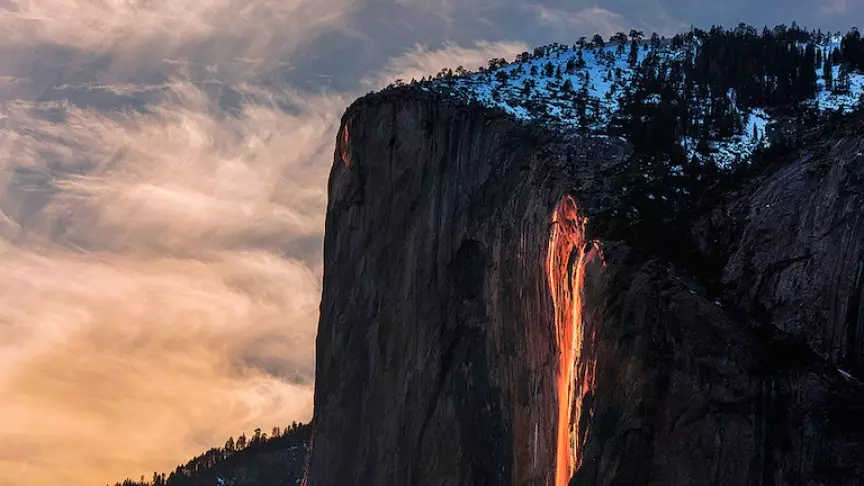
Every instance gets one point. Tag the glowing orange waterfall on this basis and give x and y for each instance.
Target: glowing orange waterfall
(566, 261)
(344, 146)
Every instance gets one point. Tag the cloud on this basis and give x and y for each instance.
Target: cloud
(585, 22)
(92, 43)
(161, 221)
(162, 278)
(253, 27)
(422, 61)
(116, 365)
(651, 16)
(836, 7)
(179, 178)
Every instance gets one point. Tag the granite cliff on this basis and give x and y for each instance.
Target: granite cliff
(477, 328)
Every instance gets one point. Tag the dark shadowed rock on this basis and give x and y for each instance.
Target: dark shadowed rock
(799, 257)
(688, 395)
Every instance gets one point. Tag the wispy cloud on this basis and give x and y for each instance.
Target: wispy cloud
(585, 22)
(161, 279)
(253, 27)
(836, 7)
(179, 177)
(161, 220)
(422, 61)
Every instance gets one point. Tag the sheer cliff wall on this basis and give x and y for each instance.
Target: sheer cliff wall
(462, 342)
(436, 349)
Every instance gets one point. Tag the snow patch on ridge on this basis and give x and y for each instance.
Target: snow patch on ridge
(525, 90)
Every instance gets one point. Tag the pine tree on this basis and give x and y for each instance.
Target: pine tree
(620, 40)
(828, 75)
(634, 53)
(526, 89)
(229, 446)
(843, 82)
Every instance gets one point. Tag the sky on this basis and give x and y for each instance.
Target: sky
(163, 166)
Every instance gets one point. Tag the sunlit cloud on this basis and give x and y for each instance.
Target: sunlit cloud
(585, 22)
(115, 365)
(161, 279)
(421, 61)
(253, 28)
(160, 251)
(177, 178)
(650, 16)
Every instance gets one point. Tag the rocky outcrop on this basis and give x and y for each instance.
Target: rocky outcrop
(449, 302)
(798, 253)
(686, 394)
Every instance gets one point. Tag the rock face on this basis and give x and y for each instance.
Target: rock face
(686, 394)
(799, 260)
(471, 334)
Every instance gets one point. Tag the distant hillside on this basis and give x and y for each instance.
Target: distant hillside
(706, 95)
(262, 460)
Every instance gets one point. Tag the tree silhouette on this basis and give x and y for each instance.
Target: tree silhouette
(204, 469)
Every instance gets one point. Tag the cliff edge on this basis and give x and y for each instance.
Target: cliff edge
(476, 329)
